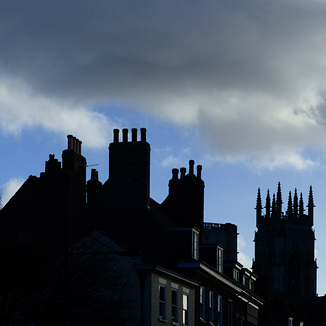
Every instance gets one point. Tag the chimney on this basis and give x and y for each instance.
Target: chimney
(129, 169)
(73, 161)
(93, 185)
(186, 197)
(52, 165)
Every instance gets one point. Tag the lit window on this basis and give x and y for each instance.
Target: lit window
(174, 305)
(220, 259)
(211, 306)
(162, 302)
(195, 244)
(202, 302)
(185, 309)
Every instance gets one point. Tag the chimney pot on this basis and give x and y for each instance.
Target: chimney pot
(79, 146)
(70, 142)
(175, 173)
(191, 166)
(183, 172)
(134, 134)
(125, 135)
(116, 135)
(143, 134)
(74, 144)
(94, 175)
(199, 169)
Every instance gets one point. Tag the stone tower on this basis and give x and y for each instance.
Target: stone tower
(285, 254)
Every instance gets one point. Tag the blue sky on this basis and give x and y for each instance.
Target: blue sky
(237, 86)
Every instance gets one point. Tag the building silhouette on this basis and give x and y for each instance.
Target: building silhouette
(285, 259)
(87, 253)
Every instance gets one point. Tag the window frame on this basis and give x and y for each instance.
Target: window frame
(202, 302)
(195, 244)
(211, 307)
(162, 301)
(174, 305)
(185, 309)
(219, 259)
(219, 310)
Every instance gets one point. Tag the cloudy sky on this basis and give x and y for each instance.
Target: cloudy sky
(238, 86)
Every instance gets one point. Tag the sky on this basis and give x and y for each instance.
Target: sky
(237, 86)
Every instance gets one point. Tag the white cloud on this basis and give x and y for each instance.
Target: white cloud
(20, 109)
(243, 258)
(171, 160)
(10, 188)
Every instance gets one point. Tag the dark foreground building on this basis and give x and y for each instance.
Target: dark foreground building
(86, 253)
(285, 261)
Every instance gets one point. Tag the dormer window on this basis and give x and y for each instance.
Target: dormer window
(195, 244)
(251, 285)
(236, 275)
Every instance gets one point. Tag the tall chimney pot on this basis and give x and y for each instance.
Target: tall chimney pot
(125, 135)
(199, 169)
(134, 134)
(175, 173)
(143, 134)
(191, 166)
(70, 142)
(116, 135)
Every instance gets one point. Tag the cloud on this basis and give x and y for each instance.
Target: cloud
(10, 188)
(248, 75)
(21, 109)
(244, 259)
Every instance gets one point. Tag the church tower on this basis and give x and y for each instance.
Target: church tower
(285, 253)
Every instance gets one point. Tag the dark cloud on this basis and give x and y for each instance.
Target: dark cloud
(210, 63)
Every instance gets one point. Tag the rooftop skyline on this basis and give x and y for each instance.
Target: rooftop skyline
(237, 86)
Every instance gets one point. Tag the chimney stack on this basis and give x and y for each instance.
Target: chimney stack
(129, 169)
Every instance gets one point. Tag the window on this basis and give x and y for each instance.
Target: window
(220, 259)
(174, 302)
(185, 309)
(195, 244)
(290, 323)
(202, 302)
(245, 281)
(162, 302)
(211, 306)
(229, 312)
(236, 275)
(251, 285)
(219, 310)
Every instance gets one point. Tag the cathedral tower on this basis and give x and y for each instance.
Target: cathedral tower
(285, 251)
